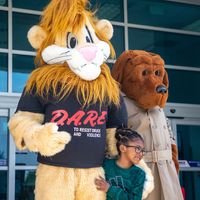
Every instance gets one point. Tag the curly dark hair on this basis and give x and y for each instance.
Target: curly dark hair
(124, 135)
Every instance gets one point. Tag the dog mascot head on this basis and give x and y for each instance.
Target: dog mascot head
(142, 77)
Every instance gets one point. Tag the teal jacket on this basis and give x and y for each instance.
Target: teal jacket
(125, 184)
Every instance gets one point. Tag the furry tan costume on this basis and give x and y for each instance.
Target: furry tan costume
(68, 102)
(144, 82)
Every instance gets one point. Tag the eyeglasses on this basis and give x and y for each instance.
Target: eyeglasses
(138, 149)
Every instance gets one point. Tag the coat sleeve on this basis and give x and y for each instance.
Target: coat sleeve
(118, 193)
(172, 138)
(173, 146)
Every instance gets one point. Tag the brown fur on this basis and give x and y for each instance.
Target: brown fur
(128, 71)
(175, 157)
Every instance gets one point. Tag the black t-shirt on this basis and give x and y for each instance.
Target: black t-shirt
(87, 126)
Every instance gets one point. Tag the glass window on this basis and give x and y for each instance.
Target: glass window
(24, 185)
(26, 158)
(184, 86)
(32, 4)
(3, 3)
(4, 29)
(188, 142)
(3, 141)
(109, 9)
(175, 49)
(3, 72)
(188, 137)
(3, 185)
(190, 182)
(21, 25)
(164, 14)
(22, 66)
(118, 40)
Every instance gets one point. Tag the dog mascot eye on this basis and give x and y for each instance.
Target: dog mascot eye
(145, 72)
(72, 41)
(157, 73)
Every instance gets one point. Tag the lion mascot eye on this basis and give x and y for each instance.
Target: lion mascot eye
(72, 41)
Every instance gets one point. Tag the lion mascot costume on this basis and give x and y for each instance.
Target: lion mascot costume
(69, 102)
(144, 83)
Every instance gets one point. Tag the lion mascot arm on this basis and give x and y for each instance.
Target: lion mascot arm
(26, 125)
(112, 151)
(30, 133)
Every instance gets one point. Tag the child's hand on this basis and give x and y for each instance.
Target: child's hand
(102, 184)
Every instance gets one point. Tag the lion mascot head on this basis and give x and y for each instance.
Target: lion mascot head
(72, 46)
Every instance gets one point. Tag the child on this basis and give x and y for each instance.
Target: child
(124, 180)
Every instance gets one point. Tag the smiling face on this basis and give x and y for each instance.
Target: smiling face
(83, 52)
(130, 152)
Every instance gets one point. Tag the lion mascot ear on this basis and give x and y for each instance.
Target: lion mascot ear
(36, 35)
(105, 27)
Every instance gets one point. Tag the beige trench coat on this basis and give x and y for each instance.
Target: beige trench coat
(153, 126)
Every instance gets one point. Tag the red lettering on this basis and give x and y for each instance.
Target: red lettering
(102, 118)
(57, 114)
(76, 118)
(92, 116)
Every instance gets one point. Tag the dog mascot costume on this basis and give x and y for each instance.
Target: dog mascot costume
(144, 83)
(69, 102)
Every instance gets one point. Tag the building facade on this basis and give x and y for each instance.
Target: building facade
(170, 28)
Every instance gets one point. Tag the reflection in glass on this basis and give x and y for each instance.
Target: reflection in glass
(3, 3)
(109, 9)
(22, 66)
(164, 14)
(3, 185)
(24, 185)
(184, 86)
(188, 142)
(3, 140)
(188, 137)
(3, 72)
(190, 182)
(32, 4)
(3, 29)
(21, 25)
(26, 158)
(118, 40)
(175, 49)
